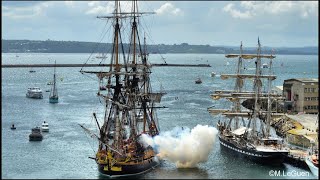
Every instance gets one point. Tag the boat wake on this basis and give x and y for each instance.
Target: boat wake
(183, 147)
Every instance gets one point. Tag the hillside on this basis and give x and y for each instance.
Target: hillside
(48, 46)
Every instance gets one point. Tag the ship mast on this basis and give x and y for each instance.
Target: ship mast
(114, 114)
(269, 101)
(118, 86)
(128, 87)
(237, 94)
(257, 90)
(238, 87)
(128, 93)
(141, 83)
(54, 82)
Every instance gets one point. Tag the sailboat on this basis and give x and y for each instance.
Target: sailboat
(130, 104)
(32, 70)
(53, 98)
(247, 140)
(101, 56)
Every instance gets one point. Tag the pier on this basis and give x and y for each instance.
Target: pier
(299, 129)
(296, 157)
(95, 65)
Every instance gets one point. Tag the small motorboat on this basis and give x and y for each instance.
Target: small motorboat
(265, 65)
(312, 160)
(198, 81)
(34, 92)
(213, 74)
(45, 127)
(13, 127)
(32, 71)
(103, 88)
(35, 134)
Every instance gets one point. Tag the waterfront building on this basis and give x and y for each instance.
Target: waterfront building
(301, 95)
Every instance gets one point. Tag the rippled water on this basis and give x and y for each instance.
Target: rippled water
(64, 151)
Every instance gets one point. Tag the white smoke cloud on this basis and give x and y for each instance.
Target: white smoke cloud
(183, 147)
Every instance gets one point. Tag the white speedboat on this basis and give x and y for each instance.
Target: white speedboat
(34, 92)
(45, 127)
(213, 74)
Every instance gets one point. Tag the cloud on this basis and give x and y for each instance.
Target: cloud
(308, 8)
(236, 13)
(70, 3)
(93, 3)
(250, 9)
(169, 9)
(97, 7)
(26, 12)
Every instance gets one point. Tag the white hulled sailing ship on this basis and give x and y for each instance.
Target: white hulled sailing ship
(247, 139)
(130, 104)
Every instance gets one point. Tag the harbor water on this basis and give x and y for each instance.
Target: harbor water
(64, 150)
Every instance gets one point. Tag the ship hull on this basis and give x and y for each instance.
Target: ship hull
(129, 169)
(35, 137)
(262, 157)
(53, 100)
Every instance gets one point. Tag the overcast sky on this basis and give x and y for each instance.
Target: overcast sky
(277, 23)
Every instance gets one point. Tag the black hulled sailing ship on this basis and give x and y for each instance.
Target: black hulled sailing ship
(239, 132)
(130, 104)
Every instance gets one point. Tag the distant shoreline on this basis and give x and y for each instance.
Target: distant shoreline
(18, 53)
(49, 46)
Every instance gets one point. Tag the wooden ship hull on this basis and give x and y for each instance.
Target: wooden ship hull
(127, 165)
(128, 169)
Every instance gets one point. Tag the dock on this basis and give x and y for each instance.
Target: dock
(296, 157)
(299, 129)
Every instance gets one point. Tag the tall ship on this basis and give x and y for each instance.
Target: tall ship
(129, 102)
(246, 131)
(53, 97)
